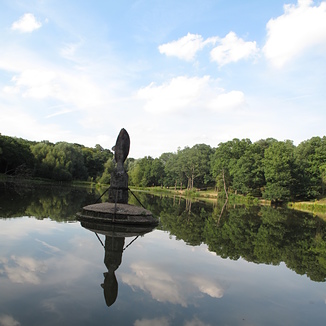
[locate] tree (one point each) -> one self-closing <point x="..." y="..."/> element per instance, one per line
<point x="140" y="173"/>
<point x="279" y="170"/>
<point x="15" y="155"/>
<point x="108" y="169"/>
<point x="195" y="163"/>
<point x="157" y="172"/>
<point x="311" y="157"/>
<point x="249" y="176"/>
<point x="95" y="159"/>
<point x="173" y="170"/>
<point x="224" y="161"/>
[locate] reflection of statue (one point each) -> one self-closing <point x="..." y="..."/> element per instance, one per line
<point x="114" y="246"/>
<point x="112" y="260"/>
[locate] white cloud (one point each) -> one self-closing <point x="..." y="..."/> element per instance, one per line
<point x="186" y="47"/>
<point x="26" y="24"/>
<point x="69" y="50"/>
<point x="188" y="93"/>
<point x="227" y="101"/>
<point x="180" y="93"/>
<point x="302" y="26"/>
<point x="22" y="123"/>
<point x="233" y="49"/>
<point x="7" y="320"/>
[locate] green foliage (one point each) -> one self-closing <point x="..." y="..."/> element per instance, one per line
<point x="15" y="155"/>
<point x="279" y="170"/>
<point x="224" y="161"/>
<point x="108" y="169"/>
<point x="61" y="161"/>
<point x="311" y="157"/>
<point x="190" y="166"/>
<point x="274" y="170"/>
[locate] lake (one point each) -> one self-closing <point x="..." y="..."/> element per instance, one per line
<point x="246" y="266"/>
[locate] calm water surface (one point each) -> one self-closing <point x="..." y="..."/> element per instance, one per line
<point x="250" y="266"/>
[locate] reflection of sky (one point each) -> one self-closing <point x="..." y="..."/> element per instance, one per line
<point x="50" y="274"/>
<point x="167" y="287"/>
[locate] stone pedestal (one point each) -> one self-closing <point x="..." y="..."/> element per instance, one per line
<point x="118" y="192"/>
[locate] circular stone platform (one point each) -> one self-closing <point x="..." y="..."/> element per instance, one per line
<point x="116" y="213"/>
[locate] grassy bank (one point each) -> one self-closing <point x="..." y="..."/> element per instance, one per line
<point x="317" y="207"/>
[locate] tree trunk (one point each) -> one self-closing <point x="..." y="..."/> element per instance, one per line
<point x="226" y="193"/>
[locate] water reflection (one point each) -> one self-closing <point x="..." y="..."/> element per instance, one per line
<point x="193" y="270"/>
<point x="263" y="235"/>
<point x="256" y="234"/>
<point x="56" y="201"/>
<point x="114" y="247"/>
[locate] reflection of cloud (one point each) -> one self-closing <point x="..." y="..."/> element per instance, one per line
<point x="195" y="322"/>
<point x="156" y="281"/>
<point x="22" y="269"/>
<point x="166" y="287"/>
<point x="52" y="248"/>
<point x="6" y="320"/>
<point x="20" y="227"/>
<point x="207" y="286"/>
<point x="152" y="322"/>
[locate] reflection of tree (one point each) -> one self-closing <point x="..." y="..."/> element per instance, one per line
<point x="267" y="235"/>
<point x="55" y="202"/>
<point x="257" y="234"/>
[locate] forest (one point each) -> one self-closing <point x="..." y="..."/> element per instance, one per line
<point x="270" y="169"/>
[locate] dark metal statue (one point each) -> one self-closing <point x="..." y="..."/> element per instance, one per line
<point x="118" y="192"/>
<point x="121" y="149"/>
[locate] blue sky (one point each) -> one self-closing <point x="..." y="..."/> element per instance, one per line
<point x="172" y="73"/>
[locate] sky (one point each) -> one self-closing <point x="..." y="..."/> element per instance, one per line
<point x="173" y="73"/>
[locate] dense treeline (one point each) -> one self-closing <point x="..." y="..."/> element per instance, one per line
<point x="61" y="161"/>
<point x="275" y="170"/>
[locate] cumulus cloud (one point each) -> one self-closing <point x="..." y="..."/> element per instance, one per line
<point x="186" y="93"/>
<point x="68" y="86"/>
<point x="232" y="49"/>
<point x="302" y="26"/>
<point x="227" y="101"/>
<point x="179" y="93"/>
<point x="26" y="24"/>
<point x="229" y="49"/>
<point x="186" y="47"/>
